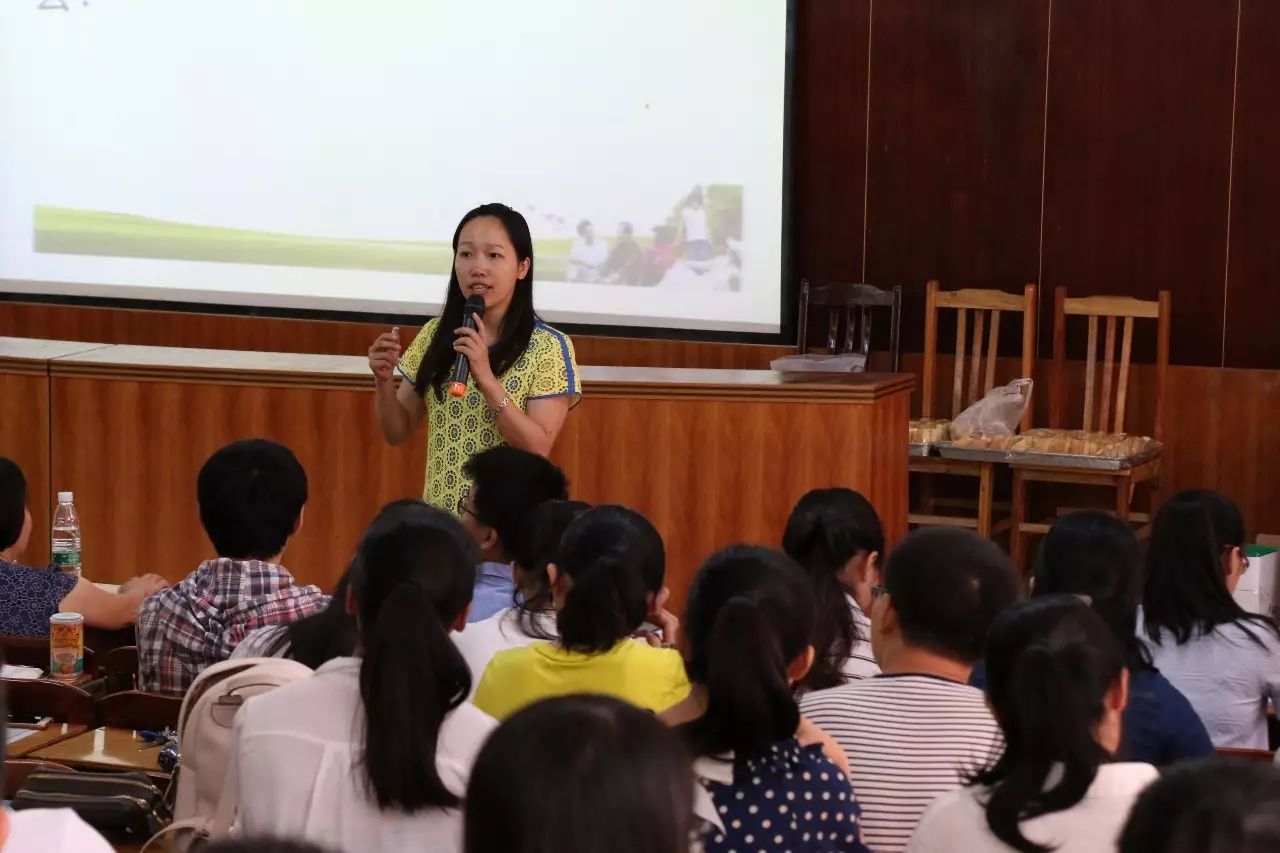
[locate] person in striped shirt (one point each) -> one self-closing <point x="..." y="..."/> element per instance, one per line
<point x="918" y="730"/>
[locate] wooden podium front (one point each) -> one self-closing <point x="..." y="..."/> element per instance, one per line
<point x="713" y="457"/>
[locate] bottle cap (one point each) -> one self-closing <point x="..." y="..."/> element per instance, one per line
<point x="64" y="497"/>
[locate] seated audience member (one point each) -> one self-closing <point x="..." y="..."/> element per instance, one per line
<point x="1097" y="556"/>
<point x="312" y="640"/>
<point x="1224" y="660"/>
<point x="601" y="597"/>
<point x="533" y="616"/>
<point x="596" y="774"/>
<point x="835" y="535"/>
<point x="1058" y="685"/>
<point x="251" y="496"/>
<point x="32" y="595"/>
<point x="507" y="485"/>
<point x="372" y="753"/>
<point x="913" y="732"/>
<point x="43" y="830"/>
<point x="1212" y="806"/>
<point x="775" y="782"/>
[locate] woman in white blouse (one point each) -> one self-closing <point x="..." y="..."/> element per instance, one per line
<point x="1057" y="684"/>
<point x="1224" y="660"/>
<point x="373" y="753"/>
<point x="836" y="537"/>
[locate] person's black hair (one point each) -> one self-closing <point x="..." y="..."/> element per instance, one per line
<point x="316" y="639"/>
<point x="1095" y="554"/>
<point x="412" y="578"/>
<point x="947" y="586"/>
<point x="517" y="326"/>
<point x="251" y="495"/>
<point x="539" y="546"/>
<point x="827" y="529"/>
<point x="508" y="484"/>
<point x="596" y="774"/>
<point x="1186" y="587"/>
<point x="13" y="502"/>
<point x="749" y="615"/>
<point x="1215" y="805"/>
<point x="626" y="229"/>
<point x="608" y="554"/>
<point x="264" y="845"/>
<point x="1050" y="663"/>
<point x="583" y="226"/>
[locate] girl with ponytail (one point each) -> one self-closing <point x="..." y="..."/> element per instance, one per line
<point x="601" y="587"/>
<point x="1057" y="683"/>
<point x="1224" y="660"/>
<point x="836" y="537"/>
<point x="373" y="752"/>
<point x="775" y="781"/>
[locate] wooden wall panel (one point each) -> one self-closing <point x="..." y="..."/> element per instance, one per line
<point x="715" y="473"/>
<point x="132" y="450"/>
<point x="1138" y="152"/>
<point x="24" y="438"/>
<point x="829" y="136"/>
<point x="957" y="115"/>
<point x="1253" y="281"/>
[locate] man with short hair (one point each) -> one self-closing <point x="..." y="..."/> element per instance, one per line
<point x="508" y="484"/>
<point x="918" y="729"/>
<point x="251" y="496"/>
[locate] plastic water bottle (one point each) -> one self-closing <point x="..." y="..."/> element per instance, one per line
<point x="66" y="535"/>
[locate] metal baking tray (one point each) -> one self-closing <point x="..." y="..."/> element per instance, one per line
<point x="1053" y="460"/>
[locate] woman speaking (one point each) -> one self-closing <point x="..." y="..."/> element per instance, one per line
<point x="523" y="377"/>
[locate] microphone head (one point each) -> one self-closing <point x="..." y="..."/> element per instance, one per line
<point x="474" y="305"/>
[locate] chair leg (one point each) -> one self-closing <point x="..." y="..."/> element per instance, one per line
<point x="986" y="496"/>
<point x="1017" y="544"/>
<point x="1124" y="498"/>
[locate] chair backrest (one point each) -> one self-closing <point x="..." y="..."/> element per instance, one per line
<point x="120" y="667"/>
<point x="137" y="709"/>
<point x="205" y="725"/>
<point x="44" y="697"/>
<point x="987" y="307"/>
<point x="852" y="302"/>
<point x="1261" y="755"/>
<point x="1113" y="395"/>
<point x="34" y="651"/>
<point x="16" y="771"/>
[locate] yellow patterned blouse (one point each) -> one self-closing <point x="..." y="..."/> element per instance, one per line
<point x="459" y="428"/>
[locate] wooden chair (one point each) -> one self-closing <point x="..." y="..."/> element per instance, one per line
<point x="34" y="651"/>
<point x="136" y="709"/>
<point x="1260" y="755"/>
<point x="44" y="697"/>
<point x="987" y="307"/>
<point x="1099" y="399"/>
<point x="16" y="771"/>
<point x="854" y="303"/>
<point x="120" y="668"/>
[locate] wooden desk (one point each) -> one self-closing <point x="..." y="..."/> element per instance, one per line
<point x="711" y="457"/>
<point x="105" y="749"/>
<point x="37" y="739"/>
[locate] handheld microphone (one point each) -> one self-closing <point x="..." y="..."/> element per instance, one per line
<point x="473" y="308"/>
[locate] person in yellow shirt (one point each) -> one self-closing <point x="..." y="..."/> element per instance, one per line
<point x="599" y="588"/>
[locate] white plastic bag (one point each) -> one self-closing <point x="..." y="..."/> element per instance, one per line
<point x="998" y="413"/>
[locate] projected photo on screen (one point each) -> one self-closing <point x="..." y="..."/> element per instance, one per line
<point x="318" y="155"/>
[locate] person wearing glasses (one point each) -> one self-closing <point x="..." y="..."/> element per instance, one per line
<point x="912" y="732"/>
<point x="1224" y="660"/>
<point x="507" y="485"/>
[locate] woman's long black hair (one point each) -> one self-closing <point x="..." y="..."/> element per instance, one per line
<point x="517" y="325"/>
<point x="319" y="638"/>
<point x="1186" y="587"/>
<point x="1050" y="662"/>
<point x="750" y="614"/>
<point x="536" y="547"/>
<point x="827" y="529"/>
<point x="607" y="554"/>
<point x="1094" y="554"/>
<point x="412" y="578"/>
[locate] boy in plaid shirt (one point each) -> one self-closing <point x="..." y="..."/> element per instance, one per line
<point x="251" y="496"/>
